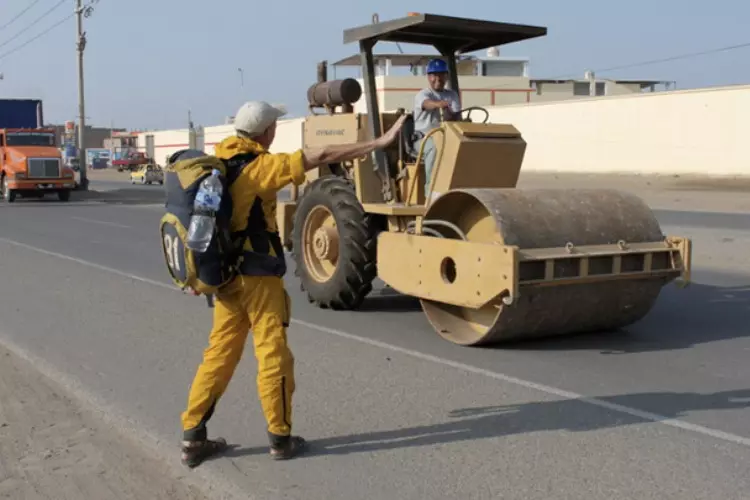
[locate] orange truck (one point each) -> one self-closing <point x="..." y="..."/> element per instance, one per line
<point x="30" y="162"/>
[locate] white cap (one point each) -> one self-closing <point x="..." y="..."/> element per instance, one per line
<point x="255" y="117"/>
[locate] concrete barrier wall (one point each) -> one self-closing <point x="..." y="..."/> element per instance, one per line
<point x="288" y="136"/>
<point x="214" y="135"/>
<point x="703" y="131"/>
<point x="166" y="143"/>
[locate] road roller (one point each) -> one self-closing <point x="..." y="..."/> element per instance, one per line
<point x="489" y="262"/>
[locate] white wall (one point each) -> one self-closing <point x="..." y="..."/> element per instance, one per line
<point x="288" y="136"/>
<point x="166" y="142"/>
<point x="214" y="135"/>
<point x="702" y="131"/>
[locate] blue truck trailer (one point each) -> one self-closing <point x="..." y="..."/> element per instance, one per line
<point x="21" y="113"/>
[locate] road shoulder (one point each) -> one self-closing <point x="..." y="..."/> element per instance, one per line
<point x="50" y="448"/>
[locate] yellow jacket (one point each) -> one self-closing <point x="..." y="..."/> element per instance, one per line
<point x="263" y="177"/>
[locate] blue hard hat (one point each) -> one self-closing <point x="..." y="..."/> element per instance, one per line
<point x="437" y="66"/>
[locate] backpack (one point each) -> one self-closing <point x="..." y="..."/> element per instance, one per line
<point x="200" y="273"/>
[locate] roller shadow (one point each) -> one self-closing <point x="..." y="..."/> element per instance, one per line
<point x="471" y="424"/>
<point x="387" y="300"/>
<point x="699" y="219"/>
<point x="680" y="319"/>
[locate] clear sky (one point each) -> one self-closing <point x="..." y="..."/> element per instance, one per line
<point x="149" y="61"/>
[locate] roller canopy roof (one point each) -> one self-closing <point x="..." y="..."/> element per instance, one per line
<point x="448" y="34"/>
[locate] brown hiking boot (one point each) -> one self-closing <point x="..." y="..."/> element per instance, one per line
<point x="289" y="449"/>
<point x="195" y="452"/>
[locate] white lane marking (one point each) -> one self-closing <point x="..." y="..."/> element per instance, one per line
<point x="627" y="410"/>
<point x="103" y="222"/>
<point x="89" y="264"/>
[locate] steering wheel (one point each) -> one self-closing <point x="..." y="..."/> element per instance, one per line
<point x="472" y="108"/>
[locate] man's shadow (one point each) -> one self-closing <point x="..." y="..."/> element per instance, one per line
<point x="473" y="424"/>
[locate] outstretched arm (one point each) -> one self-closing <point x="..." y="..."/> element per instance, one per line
<point x="336" y="153"/>
<point x="274" y="171"/>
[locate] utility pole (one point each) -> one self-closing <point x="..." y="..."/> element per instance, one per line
<point x="81" y="46"/>
<point x="82" y="12"/>
<point x="191" y="131"/>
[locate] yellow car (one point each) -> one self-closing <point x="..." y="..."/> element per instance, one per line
<point x="147" y="174"/>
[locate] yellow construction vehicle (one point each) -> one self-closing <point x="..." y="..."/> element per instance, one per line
<point x="488" y="261"/>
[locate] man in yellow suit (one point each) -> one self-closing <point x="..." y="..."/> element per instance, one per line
<point x="257" y="299"/>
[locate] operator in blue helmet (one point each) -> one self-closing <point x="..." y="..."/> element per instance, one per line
<point x="428" y="105"/>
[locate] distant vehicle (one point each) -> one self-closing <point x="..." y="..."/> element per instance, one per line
<point x="128" y="159"/>
<point x="98" y="158"/>
<point x="74" y="164"/>
<point x="30" y="162"/>
<point x="147" y="174"/>
<point x="99" y="163"/>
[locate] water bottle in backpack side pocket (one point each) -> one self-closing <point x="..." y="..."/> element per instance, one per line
<point x="205" y="206"/>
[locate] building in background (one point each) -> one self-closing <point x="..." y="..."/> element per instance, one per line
<point x="67" y="140"/>
<point x="492" y="80"/>
<point x="549" y="90"/>
<point x="94" y="136"/>
<point x="125" y="153"/>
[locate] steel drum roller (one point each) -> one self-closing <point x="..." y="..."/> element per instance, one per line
<point x="547" y="218"/>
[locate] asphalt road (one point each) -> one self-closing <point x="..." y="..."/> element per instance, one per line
<point x="391" y="410"/>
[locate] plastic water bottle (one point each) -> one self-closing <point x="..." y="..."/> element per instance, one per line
<point x="203" y="220"/>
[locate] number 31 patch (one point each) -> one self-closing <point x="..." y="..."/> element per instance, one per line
<point x="174" y="252"/>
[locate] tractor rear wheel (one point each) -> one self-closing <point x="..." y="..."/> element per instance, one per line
<point x="333" y="245"/>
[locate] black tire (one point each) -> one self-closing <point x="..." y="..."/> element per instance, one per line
<point x="8" y="195"/>
<point x="63" y="195"/>
<point x="356" y="266"/>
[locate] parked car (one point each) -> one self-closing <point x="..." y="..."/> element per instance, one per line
<point x="147" y="174"/>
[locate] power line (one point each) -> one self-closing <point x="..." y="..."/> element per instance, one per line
<point x="48" y="12"/>
<point x="6" y="54"/>
<point x="24" y="11"/>
<point x="666" y="59"/>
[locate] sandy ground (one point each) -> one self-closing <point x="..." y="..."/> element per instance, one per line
<point x="52" y="449"/>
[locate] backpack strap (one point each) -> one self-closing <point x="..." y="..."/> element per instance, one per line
<point x="236" y="164"/>
<point x="234" y="167"/>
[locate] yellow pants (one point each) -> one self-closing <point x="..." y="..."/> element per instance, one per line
<point x="259" y="303"/>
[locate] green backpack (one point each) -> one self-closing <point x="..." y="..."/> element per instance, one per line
<point x="200" y="273"/>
